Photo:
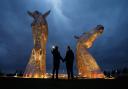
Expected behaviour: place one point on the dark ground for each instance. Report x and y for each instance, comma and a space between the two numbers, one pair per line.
25, 83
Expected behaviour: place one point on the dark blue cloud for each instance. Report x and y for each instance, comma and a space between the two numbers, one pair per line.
68, 18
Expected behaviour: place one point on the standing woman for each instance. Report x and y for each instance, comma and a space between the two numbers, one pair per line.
56, 61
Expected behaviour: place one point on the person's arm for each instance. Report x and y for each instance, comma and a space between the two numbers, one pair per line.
52, 51
61, 58
65, 57
72, 55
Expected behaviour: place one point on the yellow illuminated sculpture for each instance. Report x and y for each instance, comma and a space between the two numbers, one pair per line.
36, 67
86, 64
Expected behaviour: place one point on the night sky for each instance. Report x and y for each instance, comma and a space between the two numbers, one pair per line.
67, 18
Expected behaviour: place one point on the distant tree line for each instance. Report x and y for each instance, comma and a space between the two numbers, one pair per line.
17, 73
1, 73
117, 73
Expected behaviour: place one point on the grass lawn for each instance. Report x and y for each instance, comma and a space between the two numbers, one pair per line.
32, 83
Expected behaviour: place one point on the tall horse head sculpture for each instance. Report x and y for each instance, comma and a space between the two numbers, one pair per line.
86, 64
37, 62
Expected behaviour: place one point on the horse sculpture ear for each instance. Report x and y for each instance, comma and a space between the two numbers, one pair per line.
46, 14
76, 37
30, 14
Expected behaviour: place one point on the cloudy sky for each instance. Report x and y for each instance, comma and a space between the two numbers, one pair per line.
67, 18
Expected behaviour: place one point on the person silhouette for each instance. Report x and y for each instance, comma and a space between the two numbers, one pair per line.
69, 58
56, 61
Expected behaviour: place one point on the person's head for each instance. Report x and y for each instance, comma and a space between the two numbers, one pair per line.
56, 48
68, 47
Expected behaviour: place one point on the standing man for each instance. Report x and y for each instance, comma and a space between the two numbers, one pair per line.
69, 58
56, 61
